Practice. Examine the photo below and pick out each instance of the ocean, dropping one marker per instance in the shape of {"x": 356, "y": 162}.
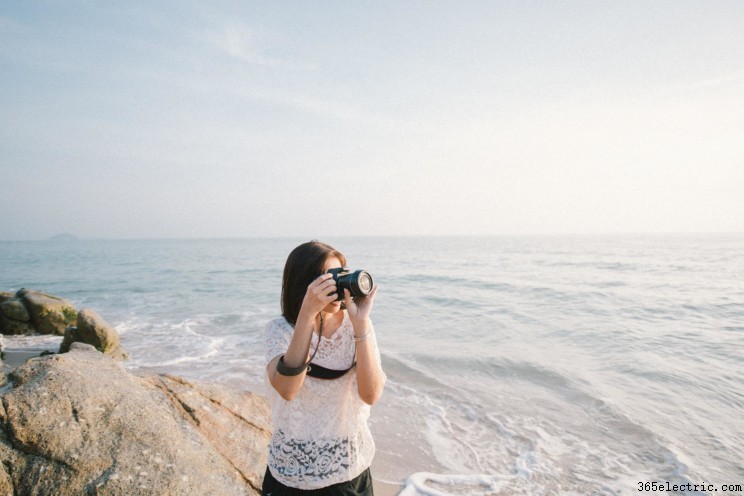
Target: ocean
{"x": 515, "y": 365}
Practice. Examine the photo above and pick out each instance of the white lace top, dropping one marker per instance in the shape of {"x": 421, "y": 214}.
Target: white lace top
{"x": 321, "y": 437}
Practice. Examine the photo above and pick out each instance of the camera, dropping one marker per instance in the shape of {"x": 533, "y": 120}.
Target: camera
{"x": 359, "y": 282}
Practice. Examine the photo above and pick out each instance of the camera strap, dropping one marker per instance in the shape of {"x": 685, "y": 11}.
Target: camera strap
{"x": 318, "y": 372}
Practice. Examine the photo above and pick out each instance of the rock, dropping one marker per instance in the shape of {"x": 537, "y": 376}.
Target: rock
{"x": 10, "y": 326}
{"x": 93, "y": 330}
{"x": 224, "y": 426}
{"x": 14, "y": 309}
{"x": 49, "y": 314}
{"x": 6, "y": 488}
{"x": 79, "y": 424}
{"x": 4, "y": 296}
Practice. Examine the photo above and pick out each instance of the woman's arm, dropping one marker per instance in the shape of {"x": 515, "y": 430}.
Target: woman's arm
{"x": 316, "y": 298}
{"x": 369, "y": 373}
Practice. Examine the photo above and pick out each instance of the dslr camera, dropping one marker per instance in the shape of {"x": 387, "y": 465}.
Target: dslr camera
{"x": 359, "y": 282}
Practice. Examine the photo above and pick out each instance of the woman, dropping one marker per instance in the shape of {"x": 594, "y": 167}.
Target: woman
{"x": 323, "y": 366}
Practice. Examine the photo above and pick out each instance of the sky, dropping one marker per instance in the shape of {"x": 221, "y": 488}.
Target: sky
{"x": 238, "y": 119}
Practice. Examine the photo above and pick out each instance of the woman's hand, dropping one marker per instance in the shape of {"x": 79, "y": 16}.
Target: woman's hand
{"x": 359, "y": 308}
{"x": 320, "y": 293}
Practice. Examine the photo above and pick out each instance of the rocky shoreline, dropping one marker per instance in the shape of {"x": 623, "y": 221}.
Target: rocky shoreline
{"x": 34, "y": 312}
{"x": 77, "y": 423}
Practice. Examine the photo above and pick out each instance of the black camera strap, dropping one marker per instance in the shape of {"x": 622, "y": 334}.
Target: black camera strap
{"x": 318, "y": 372}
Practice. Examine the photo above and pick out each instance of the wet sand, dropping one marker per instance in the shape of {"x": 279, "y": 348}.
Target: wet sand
{"x": 14, "y": 358}
{"x": 385, "y": 488}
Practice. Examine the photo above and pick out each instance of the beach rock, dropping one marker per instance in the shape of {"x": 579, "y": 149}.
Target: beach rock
{"x": 80, "y": 424}
{"x": 10, "y": 326}
{"x": 220, "y": 415}
{"x": 92, "y": 329}
{"x": 14, "y": 309}
{"x": 49, "y": 314}
{"x": 14, "y": 317}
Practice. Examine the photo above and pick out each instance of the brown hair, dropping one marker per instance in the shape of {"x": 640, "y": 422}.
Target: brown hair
{"x": 304, "y": 265}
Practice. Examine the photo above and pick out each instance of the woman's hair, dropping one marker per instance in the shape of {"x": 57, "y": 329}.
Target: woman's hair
{"x": 304, "y": 265}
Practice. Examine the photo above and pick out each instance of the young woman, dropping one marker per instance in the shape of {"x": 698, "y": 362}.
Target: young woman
{"x": 321, "y": 443}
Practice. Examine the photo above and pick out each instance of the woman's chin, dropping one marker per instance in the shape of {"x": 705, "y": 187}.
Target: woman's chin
{"x": 333, "y": 307}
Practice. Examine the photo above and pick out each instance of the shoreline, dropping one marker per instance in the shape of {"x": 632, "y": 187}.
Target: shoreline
{"x": 16, "y": 358}
{"x": 385, "y": 488}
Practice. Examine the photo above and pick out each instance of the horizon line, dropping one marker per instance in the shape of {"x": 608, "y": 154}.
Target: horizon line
{"x": 75, "y": 238}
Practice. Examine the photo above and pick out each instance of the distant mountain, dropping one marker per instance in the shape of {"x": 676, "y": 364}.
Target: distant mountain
{"x": 64, "y": 237}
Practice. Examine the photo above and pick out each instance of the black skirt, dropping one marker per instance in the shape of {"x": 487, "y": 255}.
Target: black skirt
{"x": 358, "y": 486}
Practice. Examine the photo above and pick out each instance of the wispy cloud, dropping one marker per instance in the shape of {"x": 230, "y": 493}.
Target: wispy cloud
{"x": 240, "y": 41}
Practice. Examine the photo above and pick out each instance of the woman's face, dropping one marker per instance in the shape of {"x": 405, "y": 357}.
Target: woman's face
{"x": 332, "y": 263}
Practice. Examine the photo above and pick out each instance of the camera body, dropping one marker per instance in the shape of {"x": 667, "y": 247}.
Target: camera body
{"x": 358, "y": 282}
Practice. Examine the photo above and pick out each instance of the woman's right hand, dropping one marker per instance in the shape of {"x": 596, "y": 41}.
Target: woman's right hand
{"x": 320, "y": 293}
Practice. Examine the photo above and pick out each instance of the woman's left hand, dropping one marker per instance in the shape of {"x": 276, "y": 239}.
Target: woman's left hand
{"x": 359, "y": 308}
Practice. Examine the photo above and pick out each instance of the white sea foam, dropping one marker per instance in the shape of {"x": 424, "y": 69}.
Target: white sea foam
{"x": 169, "y": 344}
{"x": 428, "y": 484}
{"x": 32, "y": 343}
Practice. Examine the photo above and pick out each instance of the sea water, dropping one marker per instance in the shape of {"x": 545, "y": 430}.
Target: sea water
{"x": 515, "y": 365}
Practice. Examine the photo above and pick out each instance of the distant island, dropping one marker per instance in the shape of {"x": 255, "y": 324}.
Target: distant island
{"x": 64, "y": 237}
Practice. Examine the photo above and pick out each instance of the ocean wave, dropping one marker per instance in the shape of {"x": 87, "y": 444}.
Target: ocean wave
{"x": 564, "y": 440}
{"x": 429, "y": 484}
{"x": 32, "y": 343}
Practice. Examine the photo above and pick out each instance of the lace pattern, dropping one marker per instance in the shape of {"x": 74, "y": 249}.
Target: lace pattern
{"x": 314, "y": 460}
{"x": 321, "y": 437}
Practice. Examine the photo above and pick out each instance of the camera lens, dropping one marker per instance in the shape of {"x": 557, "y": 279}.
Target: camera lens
{"x": 365, "y": 282}
{"x": 361, "y": 283}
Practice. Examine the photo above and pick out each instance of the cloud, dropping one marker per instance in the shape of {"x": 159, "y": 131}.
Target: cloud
{"x": 240, "y": 41}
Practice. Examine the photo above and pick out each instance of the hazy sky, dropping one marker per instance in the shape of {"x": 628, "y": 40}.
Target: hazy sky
{"x": 202, "y": 119}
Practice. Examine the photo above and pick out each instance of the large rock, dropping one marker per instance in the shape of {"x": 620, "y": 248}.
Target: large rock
{"x": 79, "y": 424}
{"x": 93, "y": 330}
{"x": 14, "y": 309}
{"x": 14, "y": 317}
{"x": 221, "y": 416}
{"x": 49, "y": 314}
{"x": 10, "y": 326}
